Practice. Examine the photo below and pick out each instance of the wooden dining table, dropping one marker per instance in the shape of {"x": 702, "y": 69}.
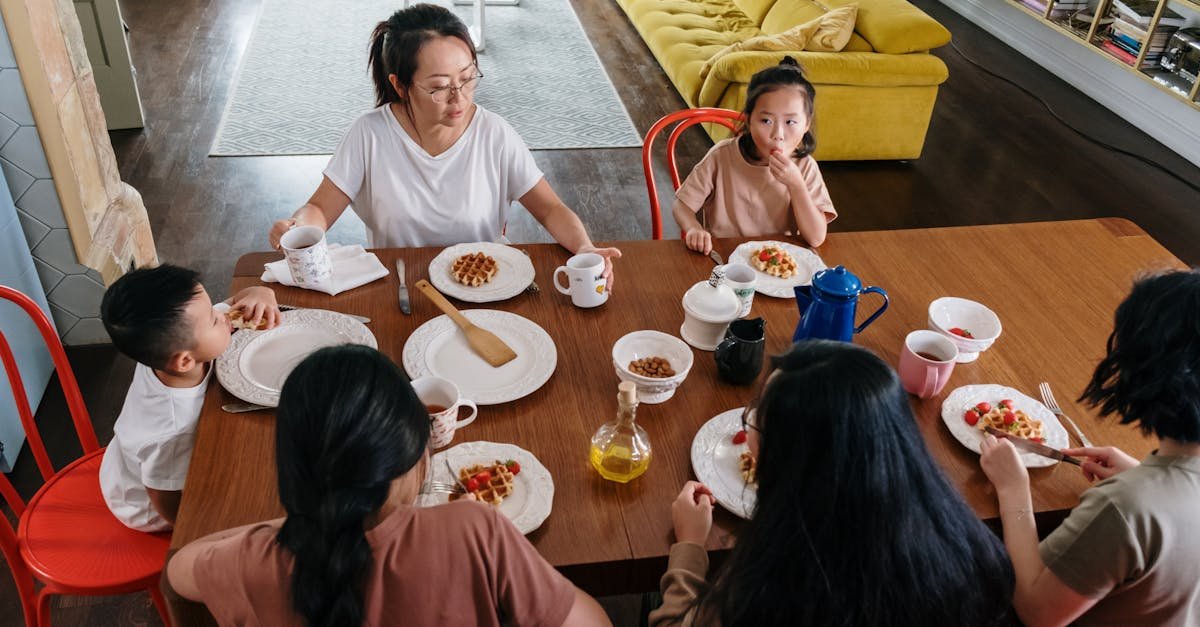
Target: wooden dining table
{"x": 1054, "y": 286}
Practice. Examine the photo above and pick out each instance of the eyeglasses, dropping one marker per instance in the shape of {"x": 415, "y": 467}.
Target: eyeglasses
{"x": 466, "y": 88}
{"x": 747, "y": 424}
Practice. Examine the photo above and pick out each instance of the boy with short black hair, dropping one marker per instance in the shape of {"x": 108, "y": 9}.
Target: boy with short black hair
{"x": 163, "y": 318}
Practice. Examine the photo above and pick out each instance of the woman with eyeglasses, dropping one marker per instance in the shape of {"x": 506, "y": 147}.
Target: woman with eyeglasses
{"x": 428, "y": 166}
{"x": 855, "y": 523}
{"x": 350, "y": 452}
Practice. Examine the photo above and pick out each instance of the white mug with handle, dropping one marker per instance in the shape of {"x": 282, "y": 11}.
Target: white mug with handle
{"x": 585, "y": 280}
{"x": 442, "y": 399}
{"x": 307, "y": 257}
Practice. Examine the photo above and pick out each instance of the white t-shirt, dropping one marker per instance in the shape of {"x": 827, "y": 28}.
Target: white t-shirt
{"x": 151, "y": 447}
{"x": 408, "y": 198}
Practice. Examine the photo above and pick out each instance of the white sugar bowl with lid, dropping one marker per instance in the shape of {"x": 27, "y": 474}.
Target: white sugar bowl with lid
{"x": 708, "y": 308}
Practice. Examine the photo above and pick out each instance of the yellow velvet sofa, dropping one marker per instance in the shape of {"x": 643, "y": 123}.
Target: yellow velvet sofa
{"x": 874, "y": 99}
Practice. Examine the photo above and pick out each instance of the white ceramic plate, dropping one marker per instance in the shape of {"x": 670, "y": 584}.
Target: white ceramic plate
{"x": 715, "y": 461}
{"x": 514, "y": 273}
{"x": 960, "y": 400}
{"x": 807, "y": 264}
{"x": 257, "y": 363}
{"x": 533, "y": 492}
{"x": 440, "y": 348}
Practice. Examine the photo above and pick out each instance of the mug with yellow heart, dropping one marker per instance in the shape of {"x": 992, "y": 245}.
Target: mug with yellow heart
{"x": 585, "y": 280}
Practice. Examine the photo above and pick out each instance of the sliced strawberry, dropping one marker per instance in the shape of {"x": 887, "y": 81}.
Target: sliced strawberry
{"x": 983, "y": 407}
{"x": 972, "y": 417}
{"x": 1006, "y": 404}
{"x": 739, "y": 437}
{"x": 1009, "y": 418}
{"x": 483, "y": 477}
{"x": 513, "y": 466}
{"x": 471, "y": 484}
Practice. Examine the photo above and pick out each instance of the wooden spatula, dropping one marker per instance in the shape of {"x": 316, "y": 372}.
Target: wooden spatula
{"x": 491, "y": 348}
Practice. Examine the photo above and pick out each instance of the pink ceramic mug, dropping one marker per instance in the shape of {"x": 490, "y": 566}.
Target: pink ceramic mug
{"x": 926, "y": 362}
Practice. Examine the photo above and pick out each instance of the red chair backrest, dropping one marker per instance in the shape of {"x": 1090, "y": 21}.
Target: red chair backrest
{"x": 66, "y": 378}
{"x": 686, "y": 118}
{"x": 12, "y": 552}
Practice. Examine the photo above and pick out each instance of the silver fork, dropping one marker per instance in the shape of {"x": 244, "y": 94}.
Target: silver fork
{"x": 532, "y": 288}
{"x": 1052, "y": 405}
{"x": 435, "y": 487}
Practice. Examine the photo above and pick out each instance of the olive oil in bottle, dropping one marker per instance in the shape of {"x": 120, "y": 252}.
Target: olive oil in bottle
{"x": 621, "y": 449}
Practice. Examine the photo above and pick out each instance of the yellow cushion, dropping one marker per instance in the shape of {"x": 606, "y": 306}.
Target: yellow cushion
{"x": 895, "y": 26}
{"x": 755, "y": 9}
{"x": 857, "y": 43}
{"x": 827, "y": 33}
{"x": 788, "y": 13}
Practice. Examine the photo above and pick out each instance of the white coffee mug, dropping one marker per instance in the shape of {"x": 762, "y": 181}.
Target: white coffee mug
{"x": 585, "y": 280}
{"x": 442, "y": 400}
{"x": 307, "y": 257}
{"x": 742, "y": 279}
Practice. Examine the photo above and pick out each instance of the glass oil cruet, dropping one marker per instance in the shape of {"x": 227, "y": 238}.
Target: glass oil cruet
{"x": 621, "y": 448}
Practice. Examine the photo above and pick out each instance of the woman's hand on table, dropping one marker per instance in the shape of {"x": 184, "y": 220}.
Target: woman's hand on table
{"x": 1101, "y": 462}
{"x": 609, "y": 254}
{"x": 257, "y": 303}
{"x": 691, "y": 513}
{"x": 1002, "y": 464}
{"x": 699, "y": 240}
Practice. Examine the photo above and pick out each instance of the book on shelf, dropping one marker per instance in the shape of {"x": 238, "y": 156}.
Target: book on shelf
{"x": 1140, "y": 12}
{"x": 1118, "y": 52}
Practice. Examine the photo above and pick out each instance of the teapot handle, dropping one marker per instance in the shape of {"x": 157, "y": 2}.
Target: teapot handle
{"x": 878, "y": 312}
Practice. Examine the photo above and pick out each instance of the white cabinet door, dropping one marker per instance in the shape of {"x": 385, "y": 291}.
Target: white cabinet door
{"x": 108, "y": 50}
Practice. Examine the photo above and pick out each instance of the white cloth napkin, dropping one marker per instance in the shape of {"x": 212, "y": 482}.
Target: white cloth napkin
{"x": 353, "y": 266}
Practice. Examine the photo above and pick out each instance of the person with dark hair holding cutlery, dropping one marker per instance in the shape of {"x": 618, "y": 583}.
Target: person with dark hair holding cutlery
{"x": 1128, "y": 553}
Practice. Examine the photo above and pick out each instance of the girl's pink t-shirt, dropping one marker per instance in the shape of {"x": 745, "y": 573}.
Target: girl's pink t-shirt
{"x": 740, "y": 199}
{"x": 461, "y": 563}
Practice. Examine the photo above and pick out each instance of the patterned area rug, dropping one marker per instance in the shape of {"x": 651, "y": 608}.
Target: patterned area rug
{"x": 304, "y": 78}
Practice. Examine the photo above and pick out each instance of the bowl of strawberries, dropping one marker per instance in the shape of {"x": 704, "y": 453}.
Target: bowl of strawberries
{"x": 970, "y": 325}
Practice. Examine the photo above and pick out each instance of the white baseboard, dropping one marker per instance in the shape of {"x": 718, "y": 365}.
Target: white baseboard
{"x": 1157, "y": 113}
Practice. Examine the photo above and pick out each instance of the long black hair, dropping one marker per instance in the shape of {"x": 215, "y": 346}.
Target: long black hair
{"x": 855, "y": 523}
{"x": 396, "y": 41}
{"x": 787, "y": 74}
{"x": 348, "y": 424}
{"x": 1151, "y": 374}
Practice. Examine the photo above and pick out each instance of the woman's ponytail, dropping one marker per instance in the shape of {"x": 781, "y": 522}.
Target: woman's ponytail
{"x": 384, "y": 93}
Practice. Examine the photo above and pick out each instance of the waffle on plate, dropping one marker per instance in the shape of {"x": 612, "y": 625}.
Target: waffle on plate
{"x": 474, "y": 269}
{"x": 775, "y": 261}
{"x": 490, "y": 483}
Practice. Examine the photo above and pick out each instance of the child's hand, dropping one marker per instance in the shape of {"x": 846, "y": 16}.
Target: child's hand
{"x": 1102, "y": 462}
{"x": 698, "y": 240}
{"x": 257, "y": 303}
{"x": 691, "y": 513}
{"x": 785, "y": 170}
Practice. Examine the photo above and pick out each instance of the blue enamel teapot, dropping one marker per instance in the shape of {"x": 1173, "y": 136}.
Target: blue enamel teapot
{"x": 828, "y": 305}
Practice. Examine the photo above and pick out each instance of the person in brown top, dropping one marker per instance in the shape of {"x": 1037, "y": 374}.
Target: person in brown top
{"x": 764, "y": 181}
{"x": 1129, "y": 553}
{"x": 855, "y": 523}
{"x": 351, "y": 454}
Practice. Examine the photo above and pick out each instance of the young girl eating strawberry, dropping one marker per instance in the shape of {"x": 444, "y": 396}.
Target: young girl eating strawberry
{"x": 764, "y": 181}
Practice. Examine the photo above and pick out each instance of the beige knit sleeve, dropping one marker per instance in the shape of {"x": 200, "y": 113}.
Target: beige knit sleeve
{"x": 682, "y": 585}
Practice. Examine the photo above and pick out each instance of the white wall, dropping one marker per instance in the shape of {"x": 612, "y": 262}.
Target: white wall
{"x": 1157, "y": 113}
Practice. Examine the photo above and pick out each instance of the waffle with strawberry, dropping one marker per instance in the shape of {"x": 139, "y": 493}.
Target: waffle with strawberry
{"x": 775, "y": 261}
{"x": 1005, "y": 417}
{"x": 490, "y": 483}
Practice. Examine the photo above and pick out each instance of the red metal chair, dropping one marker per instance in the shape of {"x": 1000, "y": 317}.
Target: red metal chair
{"x": 686, "y": 118}
{"x": 66, "y": 537}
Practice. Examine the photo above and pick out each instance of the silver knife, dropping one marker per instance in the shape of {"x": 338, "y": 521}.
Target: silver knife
{"x": 1034, "y": 447}
{"x": 405, "y": 306}
{"x": 716, "y": 257}
{"x": 239, "y": 408}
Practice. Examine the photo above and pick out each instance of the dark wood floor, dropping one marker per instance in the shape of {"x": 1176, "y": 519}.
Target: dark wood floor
{"x": 992, "y": 155}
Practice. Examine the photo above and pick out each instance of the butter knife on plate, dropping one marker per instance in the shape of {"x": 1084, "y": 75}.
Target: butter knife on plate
{"x": 405, "y": 305}
{"x": 1033, "y": 447}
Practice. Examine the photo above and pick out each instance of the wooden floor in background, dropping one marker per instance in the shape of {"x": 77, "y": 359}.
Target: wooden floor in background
{"x": 993, "y": 154}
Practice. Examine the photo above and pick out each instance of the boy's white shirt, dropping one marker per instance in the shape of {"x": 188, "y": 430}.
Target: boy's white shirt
{"x": 151, "y": 447}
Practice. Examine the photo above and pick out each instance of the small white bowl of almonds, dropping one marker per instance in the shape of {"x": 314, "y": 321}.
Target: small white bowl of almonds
{"x": 657, "y": 362}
